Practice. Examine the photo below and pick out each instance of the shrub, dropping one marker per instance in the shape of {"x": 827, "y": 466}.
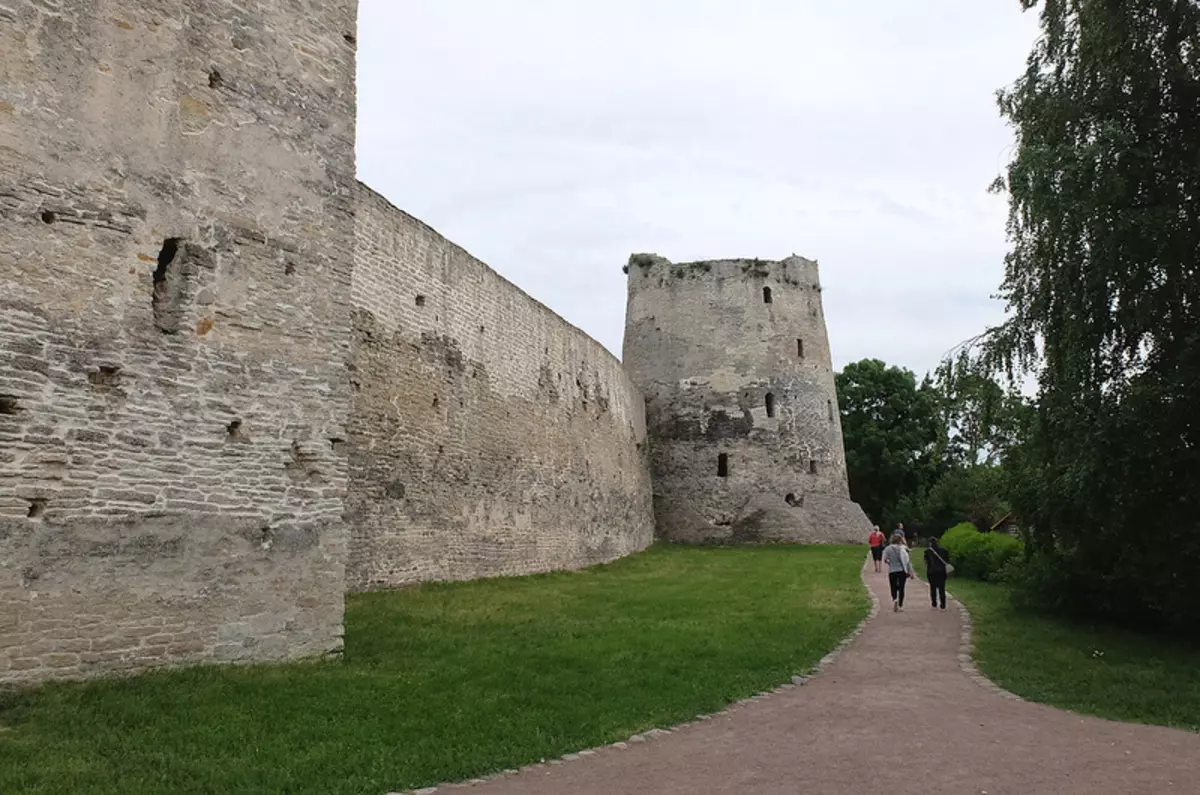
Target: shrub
{"x": 981, "y": 556}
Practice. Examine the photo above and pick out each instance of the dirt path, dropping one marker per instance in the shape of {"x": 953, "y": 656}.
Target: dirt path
{"x": 894, "y": 713}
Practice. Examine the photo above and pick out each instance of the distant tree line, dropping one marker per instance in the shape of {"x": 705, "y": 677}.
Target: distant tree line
{"x": 932, "y": 453}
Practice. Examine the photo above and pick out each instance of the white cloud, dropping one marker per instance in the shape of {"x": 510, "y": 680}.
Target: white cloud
{"x": 552, "y": 138}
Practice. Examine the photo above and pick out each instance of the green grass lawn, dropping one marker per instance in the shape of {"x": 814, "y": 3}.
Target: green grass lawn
{"x": 448, "y": 681}
{"x": 1090, "y": 668}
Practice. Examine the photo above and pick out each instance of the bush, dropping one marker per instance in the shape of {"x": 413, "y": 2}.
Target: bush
{"x": 981, "y": 556}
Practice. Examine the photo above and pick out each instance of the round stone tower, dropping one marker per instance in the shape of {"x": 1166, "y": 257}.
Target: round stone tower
{"x": 741, "y": 410}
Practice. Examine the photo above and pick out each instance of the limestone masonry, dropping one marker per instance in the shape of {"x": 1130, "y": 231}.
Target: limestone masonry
{"x": 746, "y": 437}
{"x": 490, "y": 437}
{"x": 235, "y": 383}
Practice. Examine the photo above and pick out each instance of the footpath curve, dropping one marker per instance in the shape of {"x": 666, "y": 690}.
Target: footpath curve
{"x": 900, "y": 710}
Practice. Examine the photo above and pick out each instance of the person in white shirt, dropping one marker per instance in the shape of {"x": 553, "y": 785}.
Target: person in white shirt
{"x": 899, "y": 569}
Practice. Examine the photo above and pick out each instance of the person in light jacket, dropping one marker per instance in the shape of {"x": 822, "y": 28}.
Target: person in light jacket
{"x": 899, "y": 565}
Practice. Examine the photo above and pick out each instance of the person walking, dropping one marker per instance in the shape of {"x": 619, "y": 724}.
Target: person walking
{"x": 899, "y": 569}
{"x": 937, "y": 559}
{"x": 878, "y": 541}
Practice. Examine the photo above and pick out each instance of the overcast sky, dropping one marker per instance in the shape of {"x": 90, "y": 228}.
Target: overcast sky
{"x": 552, "y": 138}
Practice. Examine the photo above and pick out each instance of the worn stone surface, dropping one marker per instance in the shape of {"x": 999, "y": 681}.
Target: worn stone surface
{"x": 219, "y": 353}
{"x": 488, "y": 435}
{"x": 175, "y": 238}
{"x": 727, "y": 373}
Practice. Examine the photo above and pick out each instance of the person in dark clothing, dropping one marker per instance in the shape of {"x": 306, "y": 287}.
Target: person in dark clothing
{"x": 936, "y": 560}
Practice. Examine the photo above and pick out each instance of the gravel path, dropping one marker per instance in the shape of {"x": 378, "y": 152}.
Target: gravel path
{"x": 899, "y": 711}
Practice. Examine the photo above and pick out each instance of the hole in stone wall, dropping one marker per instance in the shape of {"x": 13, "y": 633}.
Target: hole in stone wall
{"x": 350, "y": 38}
{"x": 166, "y": 315}
{"x": 790, "y": 498}
{"x": 49, "y": 216}
{"x": 214, "y": 78}
{"x": 106, "y": 375}
{"x": 9, "y": 405}
{"x": 435, "y": 401}
{"x": 37, "y": 506}
{"x": 420, "y": 300}
{"x": 766, "y": 295}
{"x": 770, "y": 401}
{"x": 829, "y": 408}
{"x": 800, "y": 348}
{"x": 812, "y": 467}
{"x": 723, "y": 465}
{"x": 234, "y": 432}
{"x": 290, "y": 268}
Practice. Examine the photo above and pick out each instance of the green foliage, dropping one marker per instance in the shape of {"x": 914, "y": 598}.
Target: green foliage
{"x": 982, "y": 422}
{"x": 975, "y": 494}
{"x": 980, "y": 556}
{"x": 890, "y": 430}
{"x": 1104, "y": 299}
{"x": 451, "y": 680}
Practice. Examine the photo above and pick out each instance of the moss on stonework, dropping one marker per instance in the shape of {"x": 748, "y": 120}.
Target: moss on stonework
{"x": 755, "y": 267}
{"x": 643, "y": 261}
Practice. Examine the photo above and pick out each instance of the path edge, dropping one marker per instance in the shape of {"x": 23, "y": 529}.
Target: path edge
{"x": 966, "y": 653}
{"x": 798, "y": 680}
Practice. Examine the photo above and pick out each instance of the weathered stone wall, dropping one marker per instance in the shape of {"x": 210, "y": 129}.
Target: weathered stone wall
{"x": 729, "y": 374}
{"x": 488, "y": 436}
{"x": 175, "y": 238}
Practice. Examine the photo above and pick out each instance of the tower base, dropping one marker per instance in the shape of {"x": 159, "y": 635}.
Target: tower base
{"x": 821, "y": 519}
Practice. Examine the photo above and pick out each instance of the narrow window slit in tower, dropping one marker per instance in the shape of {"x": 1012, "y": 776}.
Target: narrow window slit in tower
{"x": 800, "y": 348}
{"x": 812, "y": 466}
{"x": 165, "y": 300}
{"x": 766, "y": 295}
{"x": 829, "y": 408}
{"x": 723, "y": 465}
{"x": 770, "y": 401}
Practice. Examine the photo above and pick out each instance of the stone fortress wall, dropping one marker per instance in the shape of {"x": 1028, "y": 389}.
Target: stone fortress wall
{"x": 175, "y": 204}
{"x": 235, "y": 383}
{"x": 741, "y": 409}
{"x": 489, "y": 436}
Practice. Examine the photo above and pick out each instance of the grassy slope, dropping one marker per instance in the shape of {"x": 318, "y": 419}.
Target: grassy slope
{"x": 447, "y": 681}
{"x": 1089, "y": 668}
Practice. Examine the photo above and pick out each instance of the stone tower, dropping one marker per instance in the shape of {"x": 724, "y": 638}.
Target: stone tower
{"x": 741, "y": 411}
{"x": 176, "y": 230}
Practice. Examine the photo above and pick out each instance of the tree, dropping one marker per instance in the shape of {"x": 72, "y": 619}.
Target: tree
{"x": 890, "y": 430}
{"x": 981, "y": 419}
{"x": 1103, "y": 295}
